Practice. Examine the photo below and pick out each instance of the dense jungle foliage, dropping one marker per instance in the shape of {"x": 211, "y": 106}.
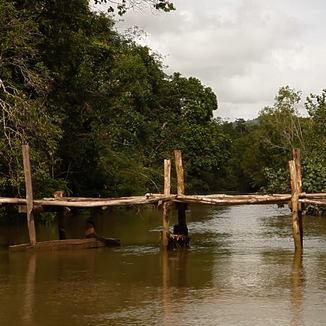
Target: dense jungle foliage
{"x": 100, "y": 114}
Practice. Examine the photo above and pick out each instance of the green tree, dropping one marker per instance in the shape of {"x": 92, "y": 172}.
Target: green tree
{"x": 24, "y": 86}
{"x": 270, "y": 142}
{"x": 314, "y": 167}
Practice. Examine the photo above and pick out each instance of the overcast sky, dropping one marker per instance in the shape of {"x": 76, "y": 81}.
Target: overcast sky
{"x": 245, "y": 50}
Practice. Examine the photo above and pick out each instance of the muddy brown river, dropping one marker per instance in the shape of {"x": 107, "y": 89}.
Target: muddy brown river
{"x": 240, "y": 270}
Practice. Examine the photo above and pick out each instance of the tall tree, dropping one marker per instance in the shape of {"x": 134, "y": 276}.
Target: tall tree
{"x": 24, "y": 86}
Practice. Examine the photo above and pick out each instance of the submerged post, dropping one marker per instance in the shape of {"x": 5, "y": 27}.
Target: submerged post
{"x": 295, "y": 177}
{"x": 167, "y": 192}
{"x": 297, "y": 161}
{"x": 181, "y": 228}
{"x": 29, "y": 194}
{"x": 180, "y": 186}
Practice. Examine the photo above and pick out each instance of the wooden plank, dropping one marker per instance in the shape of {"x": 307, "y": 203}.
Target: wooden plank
{"x": 297, "y": 237}
{"x": 29, "y": 194}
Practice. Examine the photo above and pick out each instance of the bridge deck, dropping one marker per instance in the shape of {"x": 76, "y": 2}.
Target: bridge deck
{"x": 217, "y": 199}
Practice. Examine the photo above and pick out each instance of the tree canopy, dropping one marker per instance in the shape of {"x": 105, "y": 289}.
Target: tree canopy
{"x": 98, "y": 109}
{"x": 101, "y": 114}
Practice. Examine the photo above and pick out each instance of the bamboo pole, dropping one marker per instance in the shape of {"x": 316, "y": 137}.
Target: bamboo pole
{"x": 167, "y": 192}
{"x": 29, "y": 194}
{"x": 297, "y": 236}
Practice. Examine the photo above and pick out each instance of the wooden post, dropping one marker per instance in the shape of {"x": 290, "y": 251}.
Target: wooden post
{"x": 297, "y": 236}
{"x": 167, "y": 192}
{"x": 297, "y": 161}
{"x": 167, "y": 177}
{"x": 61, "y": 226}
{"x": 29, "y": 194}
{"x": 180, "y": 172}
{"x": 180, "y": 187}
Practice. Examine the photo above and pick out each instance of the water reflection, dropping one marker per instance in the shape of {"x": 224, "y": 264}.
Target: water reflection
{"x": 240, "y": 270}
{"x": 28, "y": 295}
{"x": 297, "y": 289}
{"x": 166, "y": 292}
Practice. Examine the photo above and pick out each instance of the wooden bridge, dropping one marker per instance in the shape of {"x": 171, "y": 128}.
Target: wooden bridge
{"x": 166, "y": 200}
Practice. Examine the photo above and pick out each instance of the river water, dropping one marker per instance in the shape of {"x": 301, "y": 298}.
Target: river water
{"x": 240, "y": 270}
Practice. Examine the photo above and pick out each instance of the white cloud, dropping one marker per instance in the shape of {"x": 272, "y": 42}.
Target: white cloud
{"x": 244, "y": 49}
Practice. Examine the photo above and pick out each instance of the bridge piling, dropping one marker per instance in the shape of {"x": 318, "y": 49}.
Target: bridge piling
{"x": 167, "y": 192}
{"x": 29, "y": 194}
{"x": 296, "y": 189}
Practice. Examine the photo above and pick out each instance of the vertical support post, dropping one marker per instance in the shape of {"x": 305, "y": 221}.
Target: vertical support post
{"x": 297, "y": 161}
{"x": 61, "y": 227}
{"x": 167, "y": 177}
{"x": 29, "y": 194}
{"x": 167, "y": 192}
{"x": 297, "y": 236}
{"x": 180, "y": 187}
{"x": 180, "y": 173}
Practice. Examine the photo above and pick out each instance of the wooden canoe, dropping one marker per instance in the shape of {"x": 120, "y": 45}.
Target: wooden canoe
{"x": 68, "y": 244}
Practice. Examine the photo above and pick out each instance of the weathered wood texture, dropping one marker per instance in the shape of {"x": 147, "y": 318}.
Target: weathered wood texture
{"x": 295, "y": 205}
{"x": 234, "y": 200}
{"x": 29, "y": 194}
{"x": 167, "y": 192}
{"x": 217, "y": 199}
{"x": 179, "y": 172}
{"x": 68, "y": 244}
{"x": 181, "y": 206}
{"x": 315, "y": 195}
{"x": 99, "y": 202}
{"x": 167, "y": 178}
{"x": 297, "y": 161}
{"x": 313, "y": 202}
